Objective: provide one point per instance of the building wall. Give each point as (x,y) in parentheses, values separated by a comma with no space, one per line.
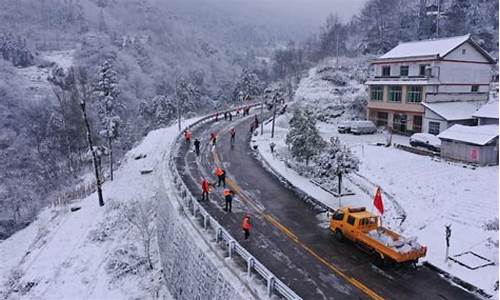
(482,155)
(464,69)
(487,121)
(189,267)
(471,54)
(430,116)
(413,67)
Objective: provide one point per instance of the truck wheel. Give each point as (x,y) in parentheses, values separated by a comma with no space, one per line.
(339,235)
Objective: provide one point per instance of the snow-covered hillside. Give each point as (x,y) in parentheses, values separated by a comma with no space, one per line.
(94,252)
(332,92)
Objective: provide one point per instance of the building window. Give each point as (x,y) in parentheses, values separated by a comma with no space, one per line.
(414,94)
(382,118)
(386,71)
(395,93)
(474,88)
(377,93)
(422,70)
(464,51)
(434,128)
(403,71)
(417,123)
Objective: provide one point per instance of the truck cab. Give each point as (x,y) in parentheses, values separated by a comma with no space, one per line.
(349,222)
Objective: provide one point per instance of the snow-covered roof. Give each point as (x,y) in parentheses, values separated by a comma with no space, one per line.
(432,47)
(489,110)
(454,110)
(478,135)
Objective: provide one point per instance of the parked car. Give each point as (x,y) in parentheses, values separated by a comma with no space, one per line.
(426,140)
(344,127)
(363,127)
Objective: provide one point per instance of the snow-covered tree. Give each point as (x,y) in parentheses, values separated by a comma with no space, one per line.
(159,111)
(303,137)
(248,83)
(107,95)
(15,49)
(335,161)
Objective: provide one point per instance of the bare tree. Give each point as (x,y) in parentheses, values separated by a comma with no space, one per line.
(80,92)
(141,215)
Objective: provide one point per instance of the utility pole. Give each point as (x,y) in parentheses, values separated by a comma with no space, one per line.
(178,104)
(437,17)
(275,104)
(448,235)
(337,48)
(262,115)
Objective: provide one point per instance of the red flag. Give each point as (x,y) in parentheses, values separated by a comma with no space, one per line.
(377,201)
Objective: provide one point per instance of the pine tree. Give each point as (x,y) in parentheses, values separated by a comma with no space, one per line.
(335,161)
(107,93)
(303,138)
(248,83)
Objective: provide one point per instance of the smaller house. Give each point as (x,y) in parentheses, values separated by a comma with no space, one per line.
(474,144)
(440,116)
(487,114)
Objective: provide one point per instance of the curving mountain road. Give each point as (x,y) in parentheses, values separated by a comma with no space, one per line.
(288,236)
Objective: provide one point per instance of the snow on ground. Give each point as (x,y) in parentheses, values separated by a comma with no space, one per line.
(63,59)
(89,253)
(431,192)
(35,80)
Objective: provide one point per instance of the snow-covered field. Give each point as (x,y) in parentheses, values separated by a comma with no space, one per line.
(35,81)
(91,253)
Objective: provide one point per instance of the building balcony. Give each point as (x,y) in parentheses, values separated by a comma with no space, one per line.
(396,106)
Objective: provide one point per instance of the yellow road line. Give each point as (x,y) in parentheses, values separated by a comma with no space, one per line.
(370,293)
(273,221)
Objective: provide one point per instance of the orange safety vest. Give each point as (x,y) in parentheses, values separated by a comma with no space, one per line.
(219,172)
(246,223)
(227,192)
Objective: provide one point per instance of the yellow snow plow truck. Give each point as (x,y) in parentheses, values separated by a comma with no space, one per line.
(365,229)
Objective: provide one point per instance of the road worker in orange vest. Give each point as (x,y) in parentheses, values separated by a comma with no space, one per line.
(246,225)
(205,188)
(188,135)
(221,175)
(228,196)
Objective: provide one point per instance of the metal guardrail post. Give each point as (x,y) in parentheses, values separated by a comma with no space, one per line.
(217,234)
(250,262)
(270,285)
(205,221)
(230,249)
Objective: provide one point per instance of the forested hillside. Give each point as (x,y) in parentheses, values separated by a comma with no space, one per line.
(150,46)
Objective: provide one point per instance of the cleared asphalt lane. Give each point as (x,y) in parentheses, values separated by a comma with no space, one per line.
(287,235)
